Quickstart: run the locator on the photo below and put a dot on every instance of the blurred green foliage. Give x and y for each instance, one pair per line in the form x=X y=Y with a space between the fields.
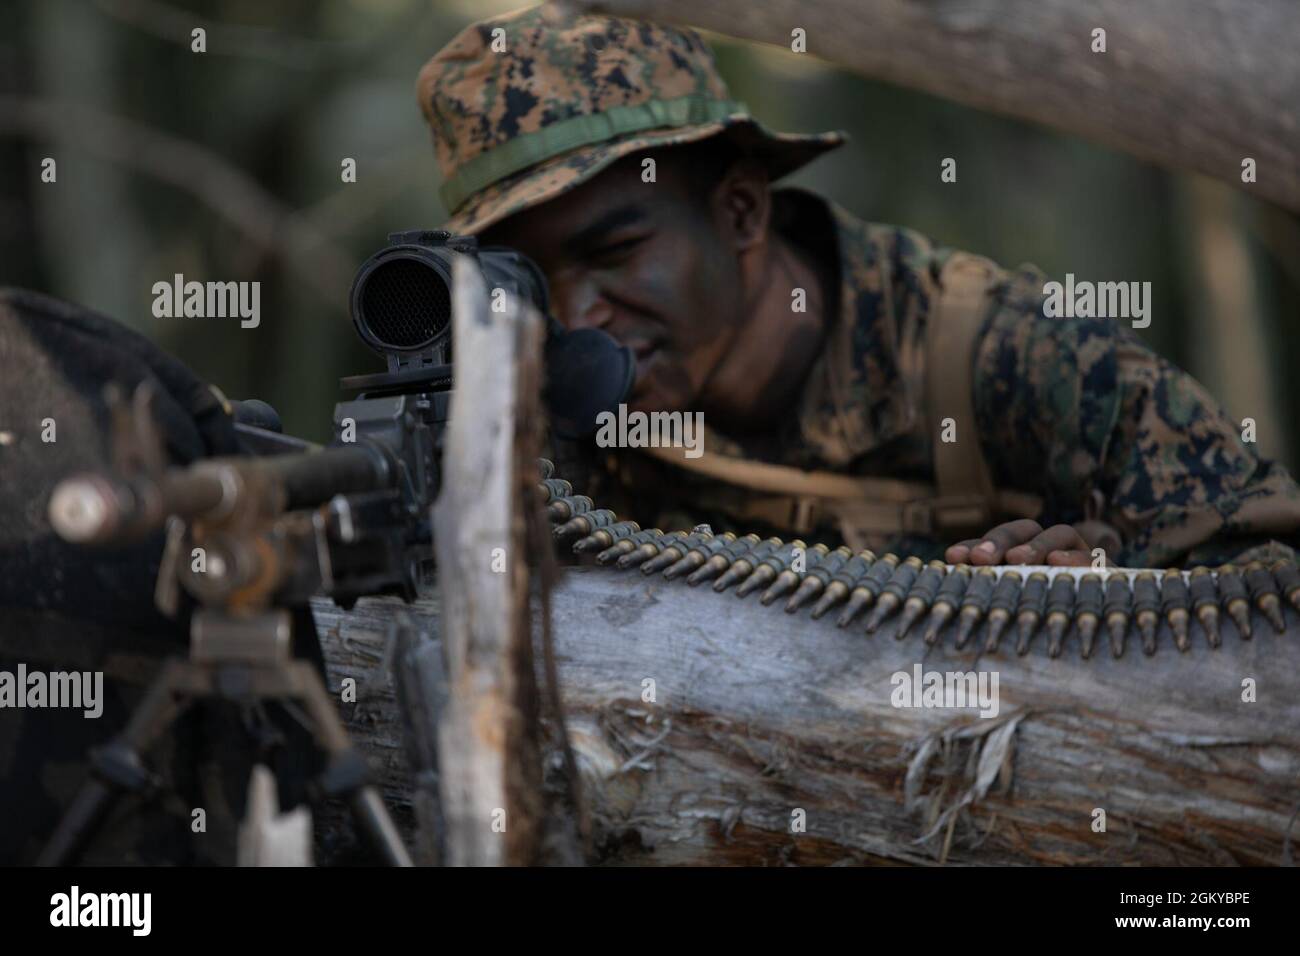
x=287 y=90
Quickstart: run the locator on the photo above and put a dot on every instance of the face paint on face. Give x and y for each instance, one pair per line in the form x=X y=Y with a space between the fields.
x=644 y=262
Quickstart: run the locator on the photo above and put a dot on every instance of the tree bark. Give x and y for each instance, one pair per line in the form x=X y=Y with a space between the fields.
x=1198 y=86
x=759 y=723
x=488 y=725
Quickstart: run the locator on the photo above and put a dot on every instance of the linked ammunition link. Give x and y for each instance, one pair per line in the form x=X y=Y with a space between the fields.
x=746 y=564
x=563 y=508
x=950 y=595
x=730 y=555
x=1060 y=609
x=1263 y=592
x=1287 y=576
x=867 y=588
x=817 y=578
x=1232 y=592
x=1205 y=602
x=1029 y=612
x=552 y=488
x=1174 y=602
x=894 y=593
x=979 y=595
x=701 y=553
x=1119 y=604
x=1055 y=599
x=602 y=538
x=627 y=545
x=651 y=549
x=1006 y=596
x=843 y=581
x=781 y=559
x=789 y=578
x=1146 y=609
x=922 y=595
x=675 y=551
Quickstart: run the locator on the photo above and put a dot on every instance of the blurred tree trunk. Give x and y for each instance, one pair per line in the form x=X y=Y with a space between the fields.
x=20 y=165
x=89 y=206
x=1232 y=357
x=1199 y=86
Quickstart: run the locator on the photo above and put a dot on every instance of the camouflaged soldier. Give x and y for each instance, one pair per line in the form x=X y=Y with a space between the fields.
x=826 y=421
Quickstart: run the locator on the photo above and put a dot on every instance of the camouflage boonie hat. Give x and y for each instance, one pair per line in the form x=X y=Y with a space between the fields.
x=566 y=97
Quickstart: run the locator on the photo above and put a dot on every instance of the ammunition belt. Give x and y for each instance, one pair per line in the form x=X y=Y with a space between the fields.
x=926 y=598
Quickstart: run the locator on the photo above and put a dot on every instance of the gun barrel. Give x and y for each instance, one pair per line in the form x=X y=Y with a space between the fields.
x=98 y=509
x=316 y=477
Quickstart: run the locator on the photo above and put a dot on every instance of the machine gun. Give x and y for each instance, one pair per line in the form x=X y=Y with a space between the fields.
x=251 y=537
x=351 y=519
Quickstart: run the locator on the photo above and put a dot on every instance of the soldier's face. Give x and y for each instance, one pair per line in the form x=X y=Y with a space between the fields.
x=646 y=262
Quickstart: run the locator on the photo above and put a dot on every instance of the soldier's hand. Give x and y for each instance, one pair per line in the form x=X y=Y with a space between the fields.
x=1026 y=542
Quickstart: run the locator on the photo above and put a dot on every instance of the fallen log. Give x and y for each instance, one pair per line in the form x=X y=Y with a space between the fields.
x=1199 y=86
x=711 y=730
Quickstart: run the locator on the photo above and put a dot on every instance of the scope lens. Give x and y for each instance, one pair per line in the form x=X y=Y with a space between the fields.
x=405 y=303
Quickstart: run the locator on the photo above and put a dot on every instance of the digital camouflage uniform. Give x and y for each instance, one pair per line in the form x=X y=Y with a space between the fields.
x=1064 y=407
x=1069 y=409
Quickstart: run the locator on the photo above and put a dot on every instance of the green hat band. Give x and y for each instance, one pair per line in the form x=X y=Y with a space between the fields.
x=532 y=148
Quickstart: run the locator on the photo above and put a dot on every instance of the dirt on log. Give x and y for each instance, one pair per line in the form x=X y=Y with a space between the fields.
x=711 y=730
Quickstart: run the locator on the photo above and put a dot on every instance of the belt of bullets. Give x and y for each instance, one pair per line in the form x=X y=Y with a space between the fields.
x=927 y=597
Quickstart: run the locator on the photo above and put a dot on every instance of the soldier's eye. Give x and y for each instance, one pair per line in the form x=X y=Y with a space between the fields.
x=617 y=250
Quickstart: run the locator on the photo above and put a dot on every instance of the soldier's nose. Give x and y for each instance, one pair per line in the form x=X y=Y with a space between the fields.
x=580 y=306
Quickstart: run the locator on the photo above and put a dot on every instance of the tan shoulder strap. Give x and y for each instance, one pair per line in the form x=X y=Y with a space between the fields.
x=784 y=479
x=795 y=498
x=960 y=469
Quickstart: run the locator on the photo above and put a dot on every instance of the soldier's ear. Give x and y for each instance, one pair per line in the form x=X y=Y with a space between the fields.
x=742 y=204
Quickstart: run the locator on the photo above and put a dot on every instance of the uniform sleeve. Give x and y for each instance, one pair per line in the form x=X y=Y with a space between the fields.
x=1182 y=485
x=1046 y=398
x=1069 y=406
